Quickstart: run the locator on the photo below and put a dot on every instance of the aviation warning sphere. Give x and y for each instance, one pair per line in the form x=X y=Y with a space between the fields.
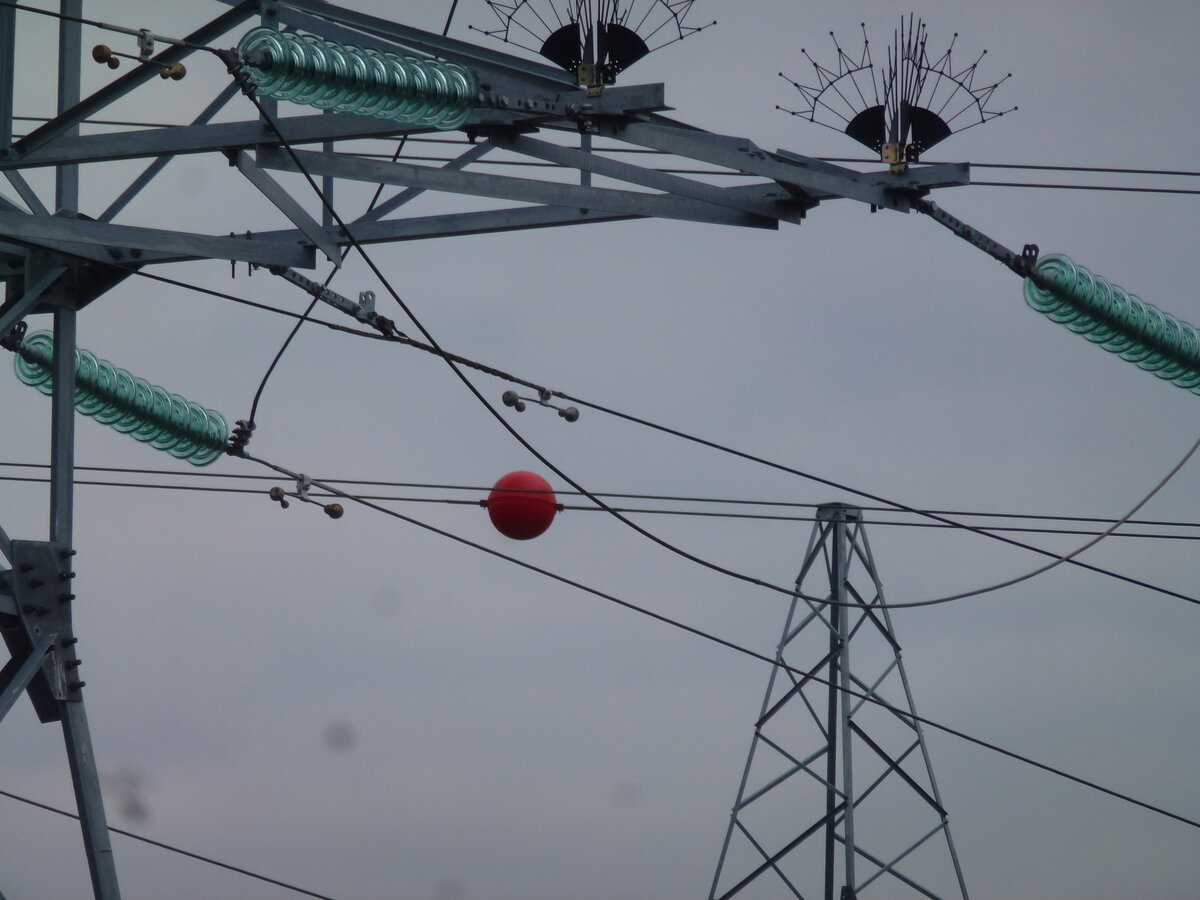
x=521 y=505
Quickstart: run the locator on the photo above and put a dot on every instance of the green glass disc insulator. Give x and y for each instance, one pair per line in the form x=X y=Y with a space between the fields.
x=135 y=394
x=366 y=82
x=33 y=363
x=1120 y=322
x=130 y=405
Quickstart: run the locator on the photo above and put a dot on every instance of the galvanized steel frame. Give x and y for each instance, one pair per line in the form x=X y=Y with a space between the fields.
x=58 y=260
x=839 y=554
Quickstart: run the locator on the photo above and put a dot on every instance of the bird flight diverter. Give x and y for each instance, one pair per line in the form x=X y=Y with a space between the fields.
x=324 y=74
x=131 y=405
x=521 y=505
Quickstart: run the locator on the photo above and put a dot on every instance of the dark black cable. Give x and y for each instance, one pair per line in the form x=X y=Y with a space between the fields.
x=749 y=457
x=230 y=59
x=366 y=257
x=627 y=510
x=450 y=17
x=1085 y=187
x=180 y=851
x=251 y=303
x=746 y=651
x=250 y=423
x=279 y=355
x=935 y=516
x=620 y=495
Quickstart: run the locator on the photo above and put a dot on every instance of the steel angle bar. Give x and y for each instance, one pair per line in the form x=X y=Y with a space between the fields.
x=915 y=179
x=898 y=769
x=788 y=756
x=181 y=245
x=506 y=187
x=151 y=171
x=788 y=848
x=26 y=193
x=784 y=207
x=16 y=674
x=8 y=17
x=5 y=544
x=71 y=117
x=459 y=224
x=762 y=851
x=408 y=195
x=797 y=687
x=889 y=868
x=811 y=176
x=288 y=205
x=882 y=777
x=11 y=315
x=224 y=136
x=869 y=691
x=780 y=779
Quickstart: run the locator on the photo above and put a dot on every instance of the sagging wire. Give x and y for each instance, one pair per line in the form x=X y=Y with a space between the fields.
x=728 y=644
x=237 y=71
x=234 y=64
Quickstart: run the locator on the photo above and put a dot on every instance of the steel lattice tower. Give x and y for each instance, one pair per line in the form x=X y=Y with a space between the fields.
x=838 y=793
x=57 y=258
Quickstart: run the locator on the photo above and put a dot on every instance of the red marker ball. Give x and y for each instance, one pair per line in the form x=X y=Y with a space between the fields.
x=521 y=505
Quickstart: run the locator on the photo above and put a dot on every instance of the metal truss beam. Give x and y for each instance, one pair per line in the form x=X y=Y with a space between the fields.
x=160 y=163
x=407 y=196
x=812 y=177
x=12 y=313
x=461 y=224
x=176 y=245
x=283 y=201
x=505 y=187
x=785 y=207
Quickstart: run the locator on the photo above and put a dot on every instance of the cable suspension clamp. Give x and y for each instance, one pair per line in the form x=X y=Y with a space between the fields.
x=363 y=310
x=517 y=402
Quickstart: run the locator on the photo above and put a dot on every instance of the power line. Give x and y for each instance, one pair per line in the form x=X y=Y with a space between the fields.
x=1084 y=187
x=452 y=359
x=622 y=495
x=746 y=651
x=628 y=510
x=453 y=363
x=173 y=849
x=239 y=76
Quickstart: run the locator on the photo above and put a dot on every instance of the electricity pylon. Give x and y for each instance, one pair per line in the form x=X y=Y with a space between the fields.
x=838 y=794
x=56 y=257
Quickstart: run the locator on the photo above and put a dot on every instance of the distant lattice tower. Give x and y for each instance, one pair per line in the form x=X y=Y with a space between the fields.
x=838 y=798
x=905 y=106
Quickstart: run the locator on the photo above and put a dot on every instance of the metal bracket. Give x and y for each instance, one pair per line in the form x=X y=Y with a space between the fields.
x=363 y=310
x=40 y=586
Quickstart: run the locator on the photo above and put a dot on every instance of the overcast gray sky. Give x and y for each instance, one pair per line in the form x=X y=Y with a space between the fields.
x=371 y=711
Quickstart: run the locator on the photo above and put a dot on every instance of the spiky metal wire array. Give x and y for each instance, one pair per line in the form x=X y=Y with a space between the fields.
x=609 y=35
x=913 y=101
